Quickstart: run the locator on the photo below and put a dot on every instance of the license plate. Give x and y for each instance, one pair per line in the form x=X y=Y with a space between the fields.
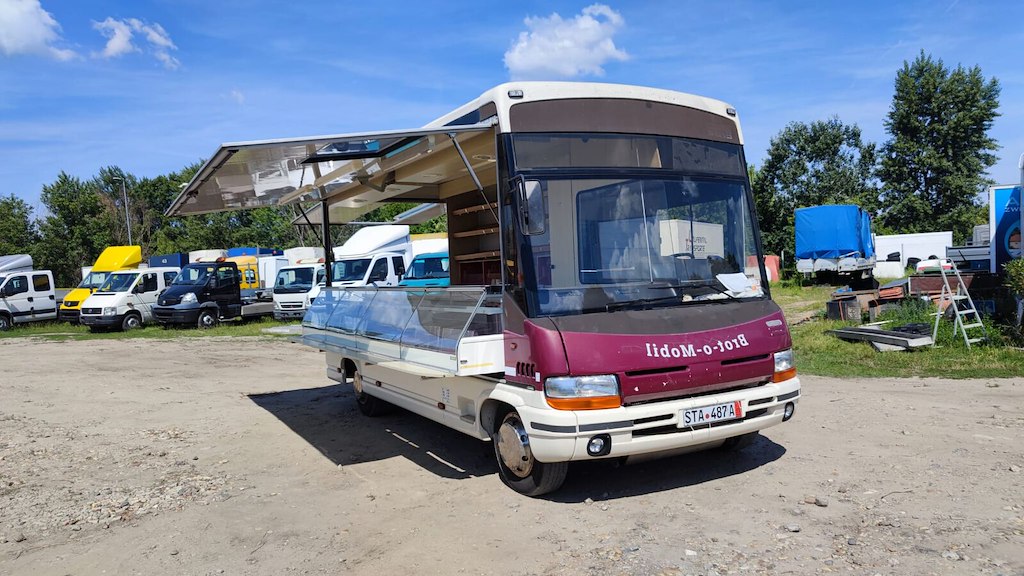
x=711 y=414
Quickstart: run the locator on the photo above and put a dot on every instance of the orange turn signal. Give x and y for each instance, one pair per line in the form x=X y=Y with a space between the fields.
x=784 y=375
x=585 y=403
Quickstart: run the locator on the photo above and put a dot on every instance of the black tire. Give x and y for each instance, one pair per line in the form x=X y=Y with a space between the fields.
x=207 y=319
x=368 y=405
x=518 y=469
x=5 y=323
x=739 y=442
x=131 y=321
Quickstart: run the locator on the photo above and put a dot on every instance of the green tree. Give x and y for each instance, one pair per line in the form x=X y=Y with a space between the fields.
x=79 y=226
x=934 y=165
x=824 y=162
x=17 y=230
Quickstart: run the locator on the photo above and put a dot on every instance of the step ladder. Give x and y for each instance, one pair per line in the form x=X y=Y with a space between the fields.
x=965 y=313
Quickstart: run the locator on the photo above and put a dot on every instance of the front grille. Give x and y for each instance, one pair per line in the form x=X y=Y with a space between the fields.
x=169 y=301
x=71 y=303
x=292 y=306
x=92 y=311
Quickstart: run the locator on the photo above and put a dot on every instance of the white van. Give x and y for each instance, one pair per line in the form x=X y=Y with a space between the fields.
x=126 y=299
x=26 y=296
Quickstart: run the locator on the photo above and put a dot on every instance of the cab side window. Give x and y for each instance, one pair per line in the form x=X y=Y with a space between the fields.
x=41 y=282
x=16 y=285
x=148 y=283
x=226 y=277
x=169 y=277
x=320 y=275
x=379 y=273
x=399 y=265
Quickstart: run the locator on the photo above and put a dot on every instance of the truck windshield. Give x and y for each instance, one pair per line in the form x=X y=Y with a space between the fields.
x=193 y=275
x=670 y=225
x=118 y=283
x=349 y=270
x=94 y=280
x=426 y=268
x=294 y=280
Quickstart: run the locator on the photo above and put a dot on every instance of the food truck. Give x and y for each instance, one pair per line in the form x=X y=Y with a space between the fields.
x=607 y=295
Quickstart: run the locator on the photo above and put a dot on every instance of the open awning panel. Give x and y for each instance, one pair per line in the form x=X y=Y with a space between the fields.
x=275 y=172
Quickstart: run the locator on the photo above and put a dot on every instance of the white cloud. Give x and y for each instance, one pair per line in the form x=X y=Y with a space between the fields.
x=25 y=28
x=121 y=33
x=557 y=48
x=237 y=96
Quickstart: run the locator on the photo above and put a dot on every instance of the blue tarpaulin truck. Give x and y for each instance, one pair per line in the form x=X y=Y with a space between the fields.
x=834 y=239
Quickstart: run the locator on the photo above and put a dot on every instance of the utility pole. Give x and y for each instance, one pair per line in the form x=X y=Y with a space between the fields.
x=127 y=219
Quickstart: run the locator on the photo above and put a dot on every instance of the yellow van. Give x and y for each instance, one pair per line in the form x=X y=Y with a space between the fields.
x=112 y=259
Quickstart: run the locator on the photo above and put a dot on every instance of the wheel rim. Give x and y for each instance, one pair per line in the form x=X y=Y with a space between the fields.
x=513 y=446
x=4 y=323
x=206 y=320
x=131 y=323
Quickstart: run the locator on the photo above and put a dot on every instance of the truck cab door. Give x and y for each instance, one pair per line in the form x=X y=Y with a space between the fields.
x=18 y=299
x=44 y=300
x=378 y=272
x=144 y=295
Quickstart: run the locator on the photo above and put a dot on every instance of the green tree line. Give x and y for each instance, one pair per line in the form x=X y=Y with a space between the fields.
x=926 y=177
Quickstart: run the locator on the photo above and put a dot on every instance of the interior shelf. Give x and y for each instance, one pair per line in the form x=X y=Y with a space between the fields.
x=477 y=208
x=477 y=232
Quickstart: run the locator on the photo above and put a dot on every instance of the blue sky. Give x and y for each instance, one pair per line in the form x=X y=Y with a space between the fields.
x=153 y=86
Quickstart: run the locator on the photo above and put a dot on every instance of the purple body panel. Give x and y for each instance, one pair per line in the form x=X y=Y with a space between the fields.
x=662 y=364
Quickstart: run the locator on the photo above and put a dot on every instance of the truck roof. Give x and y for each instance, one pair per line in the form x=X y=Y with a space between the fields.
x=118 y=257
x=374 y=239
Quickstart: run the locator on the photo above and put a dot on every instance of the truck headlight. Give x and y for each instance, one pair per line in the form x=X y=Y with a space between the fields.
x=109 y=311
x=785 y=368
x=189 y=298
x=583 y=392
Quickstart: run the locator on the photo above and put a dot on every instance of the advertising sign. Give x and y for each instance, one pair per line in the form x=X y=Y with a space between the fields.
x=1004 y=225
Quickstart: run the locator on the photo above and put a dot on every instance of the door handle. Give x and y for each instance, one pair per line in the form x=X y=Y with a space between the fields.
x=51 y=296
x=29 y=298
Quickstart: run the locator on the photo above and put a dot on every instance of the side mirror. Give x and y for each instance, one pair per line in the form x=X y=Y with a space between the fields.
x=531 y=207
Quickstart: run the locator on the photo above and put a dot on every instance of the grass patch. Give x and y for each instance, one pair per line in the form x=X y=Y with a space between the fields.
x=65 y=331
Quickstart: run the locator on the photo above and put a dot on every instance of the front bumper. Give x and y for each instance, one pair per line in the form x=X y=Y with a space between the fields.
x=69 y=315
x=103 y=321
x=289 y=313
x=559 y=436
x=176 y=314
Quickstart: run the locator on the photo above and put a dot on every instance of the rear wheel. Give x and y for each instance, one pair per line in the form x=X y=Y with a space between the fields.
x=131 y=322
x=207 y=319
x=368 y=405
x=5 y=322
x=519 y=470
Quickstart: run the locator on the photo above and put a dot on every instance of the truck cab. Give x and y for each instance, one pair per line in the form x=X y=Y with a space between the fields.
x=126 y=299
x=112 y=258
x=429 y=269
x=383 y=269
x=26 y=296
x=202 y=294
x=294 y=288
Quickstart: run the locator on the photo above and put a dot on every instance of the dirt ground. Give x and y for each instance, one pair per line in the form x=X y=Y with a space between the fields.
x=232 y=456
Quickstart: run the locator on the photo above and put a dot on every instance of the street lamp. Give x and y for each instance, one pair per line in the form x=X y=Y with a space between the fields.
x=127 y=220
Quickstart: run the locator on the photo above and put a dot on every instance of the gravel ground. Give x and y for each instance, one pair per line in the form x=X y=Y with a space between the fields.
x=234 y=456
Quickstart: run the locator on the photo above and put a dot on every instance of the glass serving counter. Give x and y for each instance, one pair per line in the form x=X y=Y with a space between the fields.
x=449 y=331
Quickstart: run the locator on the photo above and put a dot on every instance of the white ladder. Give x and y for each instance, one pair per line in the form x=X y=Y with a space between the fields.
x=965 y=313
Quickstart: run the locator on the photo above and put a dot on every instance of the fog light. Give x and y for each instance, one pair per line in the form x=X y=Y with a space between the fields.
x=787 y=412
x=599 y=445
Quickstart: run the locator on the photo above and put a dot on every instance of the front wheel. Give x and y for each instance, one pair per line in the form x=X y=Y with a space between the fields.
x=519 y=470
x=5 y=323
x=131 y=322
x=207 y=319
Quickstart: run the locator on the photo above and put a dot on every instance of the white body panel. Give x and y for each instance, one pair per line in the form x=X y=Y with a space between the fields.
x=292 y=305
x=558 y=435
x=206 y=255
x=15 y=263
x=922 y=246
x=303 y=253
x=27 y=296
